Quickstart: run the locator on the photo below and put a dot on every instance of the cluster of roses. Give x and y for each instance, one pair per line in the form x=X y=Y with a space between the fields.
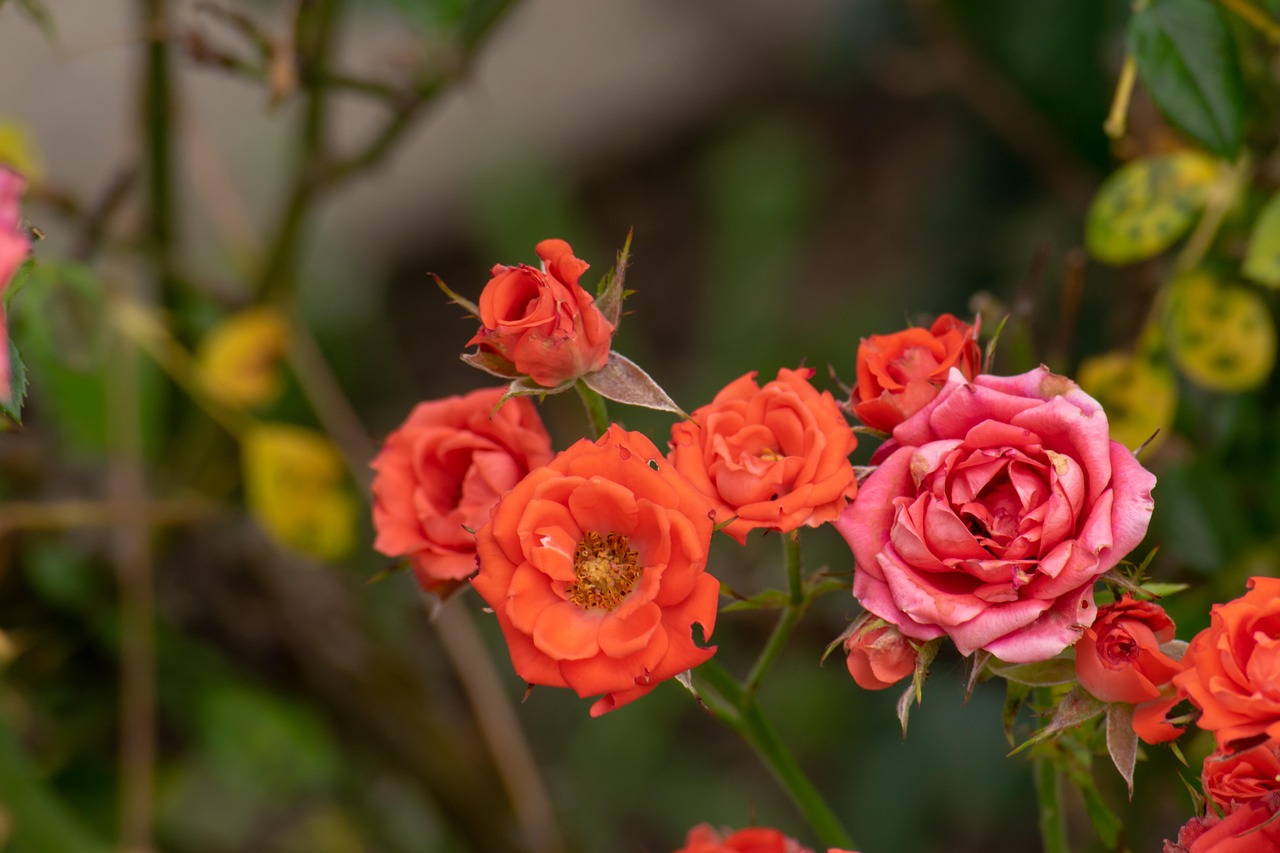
x=993 y=507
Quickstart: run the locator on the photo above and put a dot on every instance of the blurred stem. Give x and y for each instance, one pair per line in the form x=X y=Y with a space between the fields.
x=1053 y=824
x=597 y=412
x=158 y=121
x=1255 y=17
x=130 y=552
x=739 y=711
x=1117 y=120
x=462 y=643
x=500 y=728
x=1222 y=194
x=790 y=616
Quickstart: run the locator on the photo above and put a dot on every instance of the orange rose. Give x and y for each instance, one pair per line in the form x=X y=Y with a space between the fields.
x=879 y=656
x=541 y=321
x=1118 y=658
x=704 y=839
x=898 y=374
x=1232 y=669
x=775 y=457
x=1239 y=777
x=594 y=564
x=1250 y=828
x=440 y=473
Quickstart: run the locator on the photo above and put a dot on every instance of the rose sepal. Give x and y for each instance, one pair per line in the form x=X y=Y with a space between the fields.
x=925 y=653
x=1076 y=707
x=610 y=293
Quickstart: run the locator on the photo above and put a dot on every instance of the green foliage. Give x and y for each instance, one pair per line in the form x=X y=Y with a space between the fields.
x=1146 y=206
x=1262 y=260
x=1187 y=59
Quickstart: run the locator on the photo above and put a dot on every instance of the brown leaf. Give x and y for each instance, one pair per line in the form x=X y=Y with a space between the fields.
x=622 y=381
x=1122 y=741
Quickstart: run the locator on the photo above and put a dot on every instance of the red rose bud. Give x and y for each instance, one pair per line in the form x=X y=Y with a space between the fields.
x=879 y=656
x=899 y=374
x=542 y=321
x=1118 y=658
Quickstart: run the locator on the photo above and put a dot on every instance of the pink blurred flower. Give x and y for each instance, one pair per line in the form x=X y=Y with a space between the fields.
x=14 y=248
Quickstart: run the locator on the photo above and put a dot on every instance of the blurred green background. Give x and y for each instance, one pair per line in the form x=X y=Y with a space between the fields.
x=797 y=177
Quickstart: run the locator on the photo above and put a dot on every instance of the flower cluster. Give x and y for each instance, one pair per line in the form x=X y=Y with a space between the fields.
x=994 y=510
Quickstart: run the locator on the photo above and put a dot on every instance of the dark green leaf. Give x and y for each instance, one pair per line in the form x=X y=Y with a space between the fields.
x=1045 y=673
x=12 y=407
x=1187 y=59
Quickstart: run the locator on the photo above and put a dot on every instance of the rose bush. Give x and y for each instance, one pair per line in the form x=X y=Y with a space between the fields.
x=994 y=509
x=878 y=656
x=1232 y=668
x=441 y=472
x=774 y=457
x=899 y=374
x=757 y=839
x=541 y=322
x=1118 y=658
x=14 y=248
x=594 y=565
x=1231 y=778
x=1250 y=828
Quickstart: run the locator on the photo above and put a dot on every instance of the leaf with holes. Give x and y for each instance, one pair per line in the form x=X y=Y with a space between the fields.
x=1143 y=207
x=1186 y=57
x=1221 y=334
x=1262 y=259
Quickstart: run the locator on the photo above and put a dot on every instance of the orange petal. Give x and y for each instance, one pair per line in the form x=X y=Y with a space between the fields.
x=621 y=636
x=564 y=631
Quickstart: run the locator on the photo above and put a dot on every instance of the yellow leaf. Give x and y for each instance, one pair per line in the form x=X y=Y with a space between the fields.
x=1221 y=335
x=19 y=152
x=1146 y=205
x=1138 y=394
x=295 y=487
x=238 y=362
x=1262 y=259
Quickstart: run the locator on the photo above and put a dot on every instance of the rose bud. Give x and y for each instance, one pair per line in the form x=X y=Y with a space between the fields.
x=899 y=374
x=879 y=656
x=1118 y=658
x=541 y=321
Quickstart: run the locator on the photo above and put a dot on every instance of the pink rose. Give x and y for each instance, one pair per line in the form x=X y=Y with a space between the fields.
x=442 y=471
x=541 y=321
x=992 y=512
x=14 y=248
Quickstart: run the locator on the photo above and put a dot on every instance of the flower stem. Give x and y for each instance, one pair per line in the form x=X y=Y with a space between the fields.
x=737 y=708
x=1053 y=824
x=790 y=616
x=597 y=412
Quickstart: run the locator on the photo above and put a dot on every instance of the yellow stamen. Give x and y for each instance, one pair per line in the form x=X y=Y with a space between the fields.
x=606 y=571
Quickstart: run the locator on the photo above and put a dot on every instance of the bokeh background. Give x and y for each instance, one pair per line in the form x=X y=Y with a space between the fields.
x=797 y=176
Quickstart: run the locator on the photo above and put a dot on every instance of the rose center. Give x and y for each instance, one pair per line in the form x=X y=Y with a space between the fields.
x=1118 y=648
x=606 y=571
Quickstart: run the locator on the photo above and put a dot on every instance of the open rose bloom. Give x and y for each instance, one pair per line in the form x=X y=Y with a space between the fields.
x=1233 y=667
x=1252 y=827
x=441 y=472
x=899 y=374
x=774 y=457
x=541 y=322
x=757 y=839
x=14 y=248
x=1231 y=778
x=594 y=565
x=996 y=507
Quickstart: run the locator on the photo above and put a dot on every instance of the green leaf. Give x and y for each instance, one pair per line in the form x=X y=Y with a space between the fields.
x=1187 y=59
x=1045 y=673
x=1262 y=259
x=12 y=407
x=769 y=599
x=38 y=12
x=1143 y=207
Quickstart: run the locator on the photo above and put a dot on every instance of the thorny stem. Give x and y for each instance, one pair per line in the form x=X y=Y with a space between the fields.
x=738 y=709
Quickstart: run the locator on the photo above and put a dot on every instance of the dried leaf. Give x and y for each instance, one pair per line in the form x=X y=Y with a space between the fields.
x=904 y=707
x=492 y=364
x=622 y=381
x=977 y=663
x=466 y=304
x=1075 y=708
x=1122 y=741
